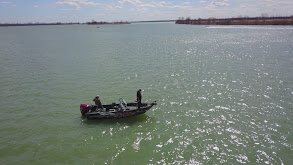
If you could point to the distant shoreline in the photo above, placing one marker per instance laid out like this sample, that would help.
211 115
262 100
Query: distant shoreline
36 24
45 24
106 23
239 21
88 23
210 21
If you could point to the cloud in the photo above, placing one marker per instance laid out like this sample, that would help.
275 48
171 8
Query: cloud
133 2
77 3
219 3
186 3
136 3
7 3
151 4
163 4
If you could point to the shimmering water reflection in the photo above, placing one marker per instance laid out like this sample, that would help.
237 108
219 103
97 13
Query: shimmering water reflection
224 94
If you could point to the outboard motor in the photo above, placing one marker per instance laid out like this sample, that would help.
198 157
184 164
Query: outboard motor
84 108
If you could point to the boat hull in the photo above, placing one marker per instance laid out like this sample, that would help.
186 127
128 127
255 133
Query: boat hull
112 111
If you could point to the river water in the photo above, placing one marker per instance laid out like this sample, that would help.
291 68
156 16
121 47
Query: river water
224 94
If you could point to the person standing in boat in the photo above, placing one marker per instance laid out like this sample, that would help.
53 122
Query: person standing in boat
98 102
138 98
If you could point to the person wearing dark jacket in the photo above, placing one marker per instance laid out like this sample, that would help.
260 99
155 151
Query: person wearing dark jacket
138 98
98 102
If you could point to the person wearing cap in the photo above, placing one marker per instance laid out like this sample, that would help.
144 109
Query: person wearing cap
98 102
138 98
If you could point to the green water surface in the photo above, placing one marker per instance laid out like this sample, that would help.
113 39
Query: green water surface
224 94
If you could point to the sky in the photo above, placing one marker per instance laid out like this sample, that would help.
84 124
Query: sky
49 11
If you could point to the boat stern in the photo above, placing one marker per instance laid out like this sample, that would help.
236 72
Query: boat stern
84 108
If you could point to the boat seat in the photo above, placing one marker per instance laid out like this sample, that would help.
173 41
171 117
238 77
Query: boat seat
123 107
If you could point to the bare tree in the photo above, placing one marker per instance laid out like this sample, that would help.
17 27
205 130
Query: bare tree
264 15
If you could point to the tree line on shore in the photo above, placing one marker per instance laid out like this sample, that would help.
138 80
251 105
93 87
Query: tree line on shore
102 23
238 21
262 20
60 23
37 24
